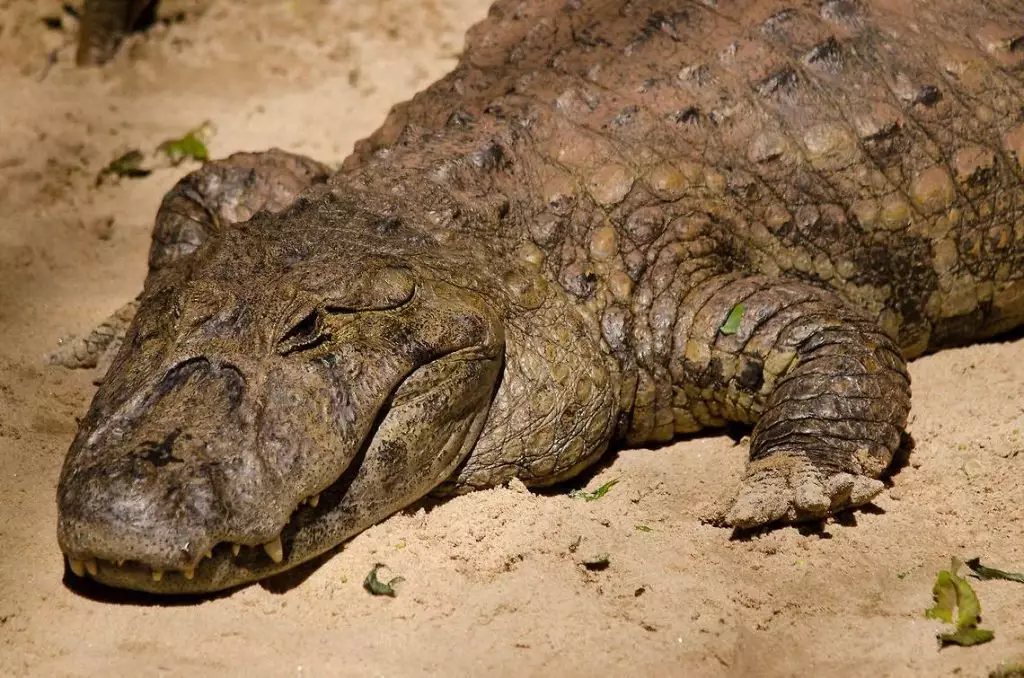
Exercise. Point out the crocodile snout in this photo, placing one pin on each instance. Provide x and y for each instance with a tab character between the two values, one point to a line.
161	481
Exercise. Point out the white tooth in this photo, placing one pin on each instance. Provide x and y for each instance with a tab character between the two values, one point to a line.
274	549
158	575
77	566
208	554
119	563
235	548
90	566
314	500
189	572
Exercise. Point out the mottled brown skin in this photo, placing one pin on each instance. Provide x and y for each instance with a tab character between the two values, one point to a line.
536	258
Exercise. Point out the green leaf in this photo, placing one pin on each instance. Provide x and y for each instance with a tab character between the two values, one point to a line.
596	494
732	323
944	594
968	607
1013	670
126	165
966	637
642	528
378	587
982	572
191	146
953	592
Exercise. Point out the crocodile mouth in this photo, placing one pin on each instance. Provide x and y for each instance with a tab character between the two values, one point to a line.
243	555
420	434
229	563
225	559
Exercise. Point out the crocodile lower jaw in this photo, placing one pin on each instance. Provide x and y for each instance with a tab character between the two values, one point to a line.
273	549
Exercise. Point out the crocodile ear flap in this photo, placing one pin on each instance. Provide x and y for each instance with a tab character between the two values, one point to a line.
370	289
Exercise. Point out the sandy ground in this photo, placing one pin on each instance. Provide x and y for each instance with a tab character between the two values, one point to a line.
493	584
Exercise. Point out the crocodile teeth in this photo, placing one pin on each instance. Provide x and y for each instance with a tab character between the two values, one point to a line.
314	500
119	563
235	548
208	554
77	566
189	572
158	575
90	566
274	549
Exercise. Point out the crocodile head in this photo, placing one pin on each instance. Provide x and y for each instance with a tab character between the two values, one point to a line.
291	383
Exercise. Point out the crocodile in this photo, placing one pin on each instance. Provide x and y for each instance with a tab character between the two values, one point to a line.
611	225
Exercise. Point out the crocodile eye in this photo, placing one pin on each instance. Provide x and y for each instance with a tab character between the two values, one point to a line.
304	335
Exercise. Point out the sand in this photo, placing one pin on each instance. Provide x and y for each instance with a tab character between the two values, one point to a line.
494	583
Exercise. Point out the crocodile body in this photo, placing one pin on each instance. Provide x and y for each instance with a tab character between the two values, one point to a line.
612	224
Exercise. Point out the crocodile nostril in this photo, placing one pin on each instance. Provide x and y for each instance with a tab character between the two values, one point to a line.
198	378
160	453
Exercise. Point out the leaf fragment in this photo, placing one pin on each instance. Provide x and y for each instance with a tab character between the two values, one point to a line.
732	321
596	494
191	146
944	594
967	637
982	572
128	165
1011	670
377	587
952	593
643	528
968	607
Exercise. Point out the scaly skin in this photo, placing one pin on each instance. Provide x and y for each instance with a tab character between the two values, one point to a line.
537	257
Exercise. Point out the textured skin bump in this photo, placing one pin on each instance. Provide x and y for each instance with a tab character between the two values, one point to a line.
613	223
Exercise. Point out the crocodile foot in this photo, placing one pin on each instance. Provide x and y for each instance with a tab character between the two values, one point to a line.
98	348
790	488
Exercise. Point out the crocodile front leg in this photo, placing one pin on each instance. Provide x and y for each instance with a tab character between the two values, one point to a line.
216	196
827	390
99	346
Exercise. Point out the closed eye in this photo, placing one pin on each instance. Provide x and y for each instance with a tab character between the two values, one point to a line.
311	331
304	335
